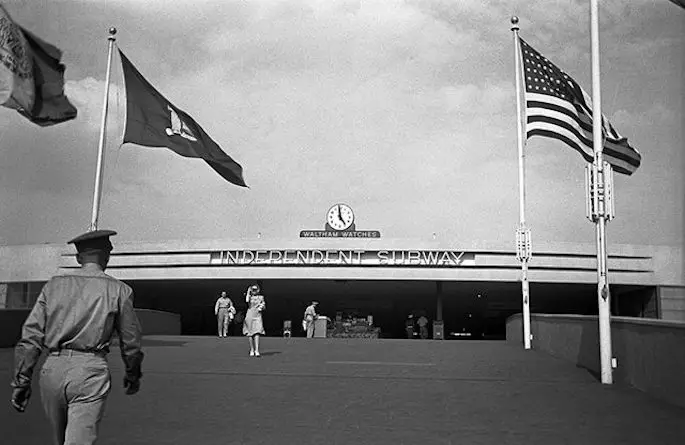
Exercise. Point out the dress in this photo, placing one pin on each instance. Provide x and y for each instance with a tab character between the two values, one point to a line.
253	318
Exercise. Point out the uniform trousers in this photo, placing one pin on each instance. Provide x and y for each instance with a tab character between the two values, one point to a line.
223	318
74	387
310	329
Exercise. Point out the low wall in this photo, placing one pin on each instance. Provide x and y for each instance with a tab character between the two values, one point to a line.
650	353
153	323
159	322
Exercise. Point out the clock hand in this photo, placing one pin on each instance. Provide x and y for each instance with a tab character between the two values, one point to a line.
340	216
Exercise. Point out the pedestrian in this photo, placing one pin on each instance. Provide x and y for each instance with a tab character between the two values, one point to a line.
423	326
224	311
74	319
409	326
253	325
309	318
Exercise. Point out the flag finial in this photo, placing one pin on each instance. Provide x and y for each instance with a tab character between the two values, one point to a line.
112	32
514	23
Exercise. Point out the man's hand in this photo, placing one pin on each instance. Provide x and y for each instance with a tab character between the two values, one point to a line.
131	385
20	398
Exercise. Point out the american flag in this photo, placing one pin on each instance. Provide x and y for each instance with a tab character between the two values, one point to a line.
557	107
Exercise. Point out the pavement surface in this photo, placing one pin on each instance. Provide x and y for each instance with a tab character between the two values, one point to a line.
204	391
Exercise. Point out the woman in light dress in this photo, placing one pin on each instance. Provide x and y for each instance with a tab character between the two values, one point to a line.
253	326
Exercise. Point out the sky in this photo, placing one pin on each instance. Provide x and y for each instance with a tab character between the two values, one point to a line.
404	110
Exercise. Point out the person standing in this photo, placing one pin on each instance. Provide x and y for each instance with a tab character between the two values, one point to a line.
74	319
253	325
423	326
310	317
409	326
224	311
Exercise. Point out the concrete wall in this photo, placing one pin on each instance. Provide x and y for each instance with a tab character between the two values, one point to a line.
672	303
159	322
153	323
650	353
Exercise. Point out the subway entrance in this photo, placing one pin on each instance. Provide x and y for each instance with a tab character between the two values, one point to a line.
468	310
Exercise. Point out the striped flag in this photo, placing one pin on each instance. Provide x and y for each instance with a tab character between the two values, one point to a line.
557	107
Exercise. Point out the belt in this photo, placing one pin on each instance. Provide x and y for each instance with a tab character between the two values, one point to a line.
72	352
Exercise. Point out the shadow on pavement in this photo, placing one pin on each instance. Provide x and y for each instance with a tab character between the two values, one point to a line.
270	353
158	342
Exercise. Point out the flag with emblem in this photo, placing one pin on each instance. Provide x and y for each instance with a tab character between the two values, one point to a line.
31	76
153	121
557	107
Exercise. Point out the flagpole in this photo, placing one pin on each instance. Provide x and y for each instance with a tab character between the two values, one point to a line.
103	129
599	182
523	252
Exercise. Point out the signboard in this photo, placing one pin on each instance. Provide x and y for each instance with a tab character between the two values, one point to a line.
340	223
346	258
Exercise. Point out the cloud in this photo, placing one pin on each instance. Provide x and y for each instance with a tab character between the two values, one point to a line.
87	95
658	116
397	107
480	99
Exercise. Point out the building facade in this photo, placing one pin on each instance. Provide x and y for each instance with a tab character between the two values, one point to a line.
470	288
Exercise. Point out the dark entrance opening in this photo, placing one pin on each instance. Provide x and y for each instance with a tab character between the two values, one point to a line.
477	308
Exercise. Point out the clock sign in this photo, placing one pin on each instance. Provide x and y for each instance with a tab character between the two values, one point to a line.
340	223
340	217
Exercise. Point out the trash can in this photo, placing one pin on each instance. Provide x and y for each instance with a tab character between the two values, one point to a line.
320	326
438	330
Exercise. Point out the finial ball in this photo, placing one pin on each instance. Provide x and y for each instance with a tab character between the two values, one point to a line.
112	30
514	20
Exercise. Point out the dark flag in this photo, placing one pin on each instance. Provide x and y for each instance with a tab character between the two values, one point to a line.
557	107
153	121
31	75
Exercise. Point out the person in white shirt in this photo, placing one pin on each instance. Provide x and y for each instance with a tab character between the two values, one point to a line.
310	316
224	311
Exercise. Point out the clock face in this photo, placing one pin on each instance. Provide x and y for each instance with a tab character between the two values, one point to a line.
340	217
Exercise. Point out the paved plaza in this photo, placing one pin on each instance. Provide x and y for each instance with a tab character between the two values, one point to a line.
205	391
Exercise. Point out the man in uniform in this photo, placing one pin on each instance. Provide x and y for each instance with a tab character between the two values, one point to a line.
310	317
224	311
74	319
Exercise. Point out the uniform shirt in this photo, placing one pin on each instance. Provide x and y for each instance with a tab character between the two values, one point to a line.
310	313
422	321
80	311
223	303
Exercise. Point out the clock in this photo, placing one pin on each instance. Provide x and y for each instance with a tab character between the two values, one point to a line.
340	217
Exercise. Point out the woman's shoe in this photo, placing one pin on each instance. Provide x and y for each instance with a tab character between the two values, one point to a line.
257	354
252	354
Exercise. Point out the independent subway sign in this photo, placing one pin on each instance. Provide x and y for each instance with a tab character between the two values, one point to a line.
345	258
